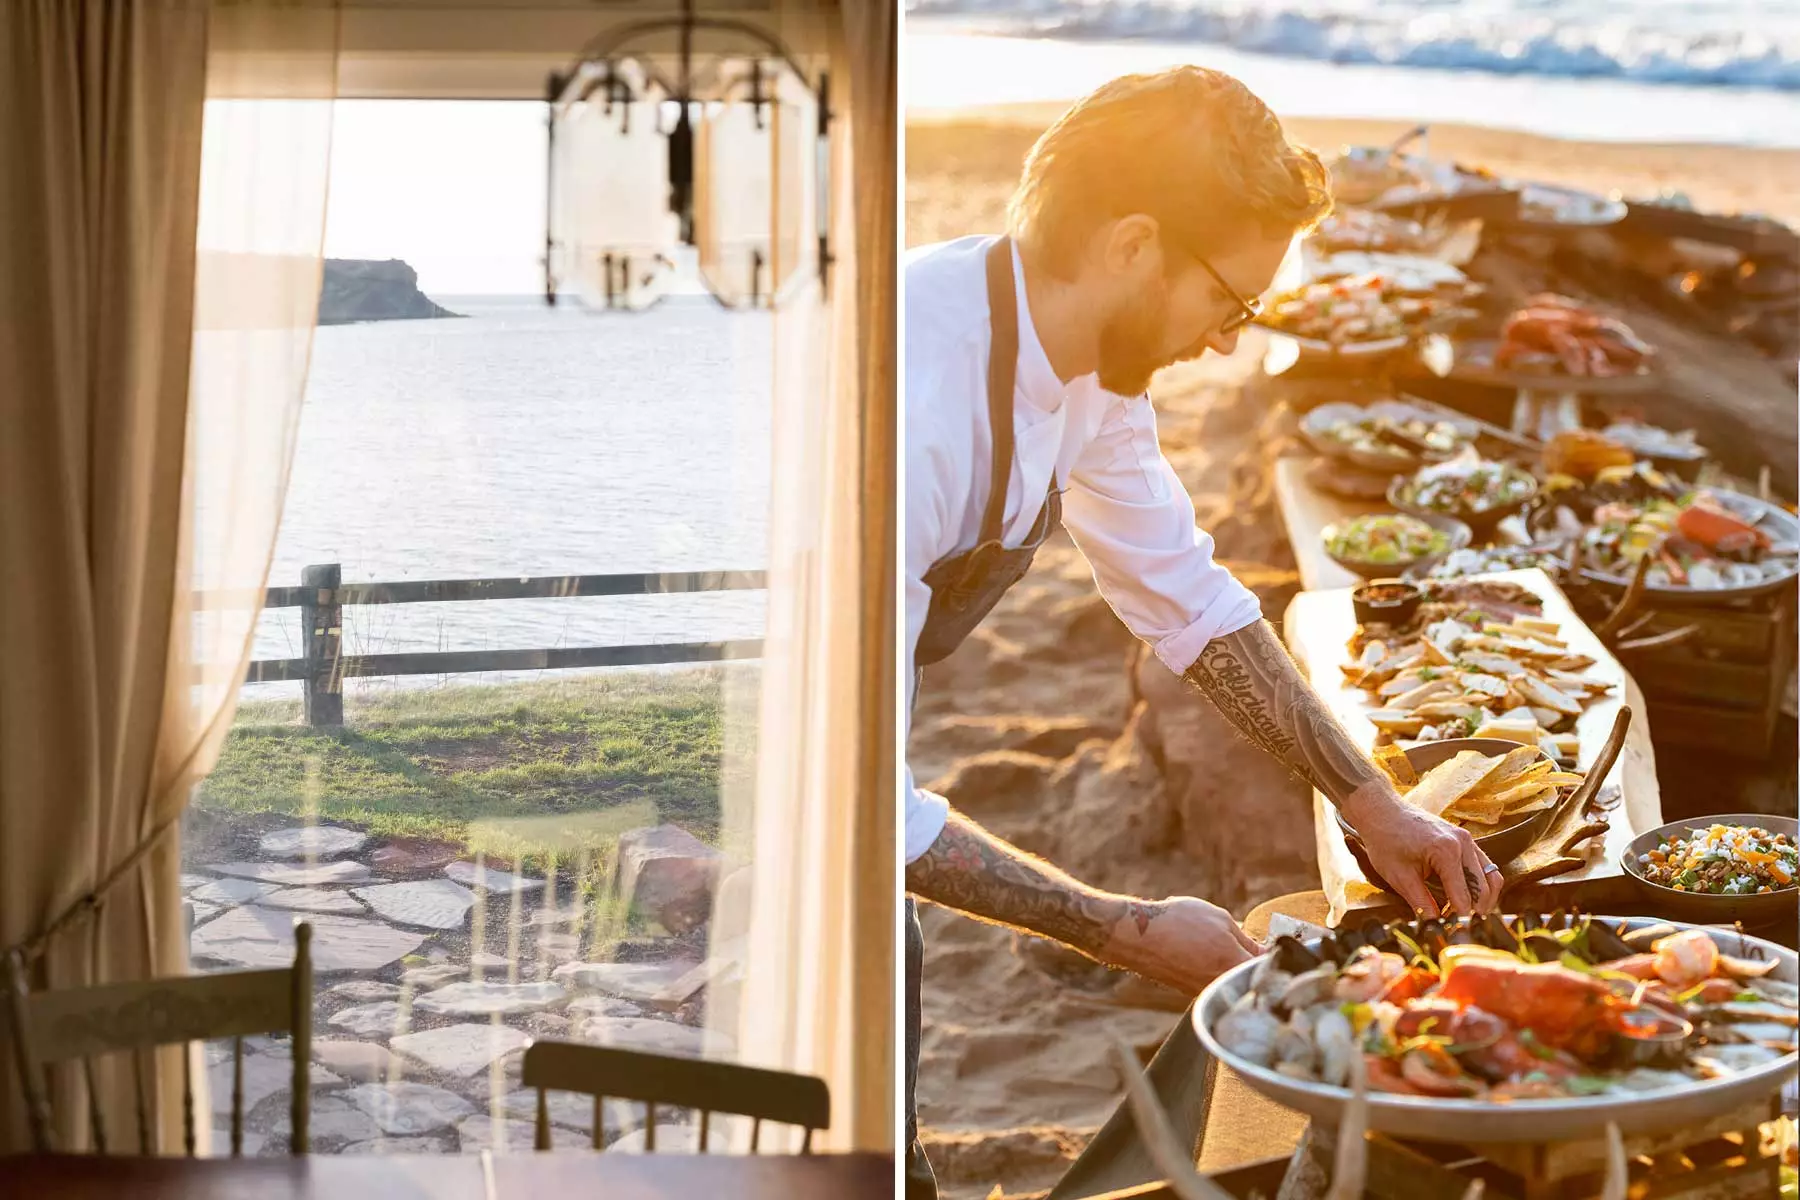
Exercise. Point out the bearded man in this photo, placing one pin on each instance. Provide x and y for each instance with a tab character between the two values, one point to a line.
1146	221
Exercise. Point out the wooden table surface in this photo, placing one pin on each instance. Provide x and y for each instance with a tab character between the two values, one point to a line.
1306	511
1317	628
452	1177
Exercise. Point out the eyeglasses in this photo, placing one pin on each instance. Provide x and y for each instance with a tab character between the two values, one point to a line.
1248	310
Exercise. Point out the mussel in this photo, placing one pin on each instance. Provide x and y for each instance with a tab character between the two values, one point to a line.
1292	956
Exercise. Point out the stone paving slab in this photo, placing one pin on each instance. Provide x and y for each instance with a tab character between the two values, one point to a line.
230	891
221	1142
574	1111
190	882
204	911
464	1049
301	875
484	1132
643	982
341	1121
312	841
488	999
365	990
398	1145
379	1019
264	937
409	1108
359	1062
312	899
672	1139
432	903
661	1037
490	880
264	1076
422	978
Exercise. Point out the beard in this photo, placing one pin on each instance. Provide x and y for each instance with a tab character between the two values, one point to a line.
1131	343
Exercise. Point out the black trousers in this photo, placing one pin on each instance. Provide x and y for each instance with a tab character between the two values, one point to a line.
921	1184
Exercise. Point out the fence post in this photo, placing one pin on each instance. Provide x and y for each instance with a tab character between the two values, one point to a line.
323	627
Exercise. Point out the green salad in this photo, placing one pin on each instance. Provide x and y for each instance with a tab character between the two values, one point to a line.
1389	540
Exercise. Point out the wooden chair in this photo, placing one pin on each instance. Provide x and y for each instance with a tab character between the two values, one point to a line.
711	1087
81	1023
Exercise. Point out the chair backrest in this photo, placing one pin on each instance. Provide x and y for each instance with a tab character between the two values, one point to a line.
81	1023
710	1087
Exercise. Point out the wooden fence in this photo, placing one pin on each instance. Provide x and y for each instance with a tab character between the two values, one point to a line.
322	595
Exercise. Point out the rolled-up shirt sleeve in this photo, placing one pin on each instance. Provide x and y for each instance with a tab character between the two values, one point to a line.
1134	522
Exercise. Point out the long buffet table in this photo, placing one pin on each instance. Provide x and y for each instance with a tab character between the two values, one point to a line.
1317	626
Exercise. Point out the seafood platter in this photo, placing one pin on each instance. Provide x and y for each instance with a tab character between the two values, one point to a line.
1361	229
1552	341
1511	1029
1369	312
1703	544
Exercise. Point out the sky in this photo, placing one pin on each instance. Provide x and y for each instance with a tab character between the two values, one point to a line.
456	188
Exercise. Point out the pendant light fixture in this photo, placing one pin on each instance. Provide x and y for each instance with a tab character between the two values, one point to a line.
686	140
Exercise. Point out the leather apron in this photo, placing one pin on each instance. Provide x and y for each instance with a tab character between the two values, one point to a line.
964	589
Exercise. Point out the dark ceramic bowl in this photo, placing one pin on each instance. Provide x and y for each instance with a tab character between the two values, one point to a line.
1753	911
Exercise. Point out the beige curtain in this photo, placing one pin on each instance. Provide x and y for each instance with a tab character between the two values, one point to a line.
149	395
818	987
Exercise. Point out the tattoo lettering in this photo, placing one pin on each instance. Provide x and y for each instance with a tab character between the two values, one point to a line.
1251	680
976	873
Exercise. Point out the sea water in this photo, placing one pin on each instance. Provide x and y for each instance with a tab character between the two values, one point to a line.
1714	71
525	441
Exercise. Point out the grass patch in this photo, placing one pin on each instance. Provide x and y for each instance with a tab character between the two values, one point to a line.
556	768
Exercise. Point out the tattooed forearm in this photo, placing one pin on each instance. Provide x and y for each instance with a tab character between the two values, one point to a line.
1250	678
974	872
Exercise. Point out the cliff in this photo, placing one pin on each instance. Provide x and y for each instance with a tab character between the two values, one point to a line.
356	289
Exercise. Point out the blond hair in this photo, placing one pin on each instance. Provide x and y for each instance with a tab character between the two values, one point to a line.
1191	147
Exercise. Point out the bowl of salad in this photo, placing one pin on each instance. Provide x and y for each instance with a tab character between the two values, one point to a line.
1382	545
1473	490
1720	869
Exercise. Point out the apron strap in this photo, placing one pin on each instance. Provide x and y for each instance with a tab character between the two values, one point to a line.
1003	363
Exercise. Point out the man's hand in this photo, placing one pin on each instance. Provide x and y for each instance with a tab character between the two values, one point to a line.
1183	942
1407	847
1255	685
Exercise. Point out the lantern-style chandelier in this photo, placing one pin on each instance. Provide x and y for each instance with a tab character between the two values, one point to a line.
685	139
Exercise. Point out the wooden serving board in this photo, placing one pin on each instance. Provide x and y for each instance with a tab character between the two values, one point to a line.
1318	626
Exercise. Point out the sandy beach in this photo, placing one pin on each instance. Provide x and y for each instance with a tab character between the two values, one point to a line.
1037	725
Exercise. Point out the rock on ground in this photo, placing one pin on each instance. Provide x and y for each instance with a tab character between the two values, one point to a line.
421	978
432	903
642	982
264	1076
409	1108
668	874
312	841
371	1020
360	1062
230	891
460	1049
661	1037
264	937
303	875
365	990
398	1145
487	999
572	1110
338	1120
490	880
310	899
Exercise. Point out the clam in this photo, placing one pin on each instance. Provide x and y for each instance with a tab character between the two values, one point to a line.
1310	988
1248	1031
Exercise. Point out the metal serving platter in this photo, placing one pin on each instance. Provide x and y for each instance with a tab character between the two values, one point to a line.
1575	209
1781	526
1436	1119
1316	427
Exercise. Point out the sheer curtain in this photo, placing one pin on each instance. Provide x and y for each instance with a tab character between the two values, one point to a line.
150	382
818	987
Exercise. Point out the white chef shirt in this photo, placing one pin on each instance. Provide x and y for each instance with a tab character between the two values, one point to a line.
1123	504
